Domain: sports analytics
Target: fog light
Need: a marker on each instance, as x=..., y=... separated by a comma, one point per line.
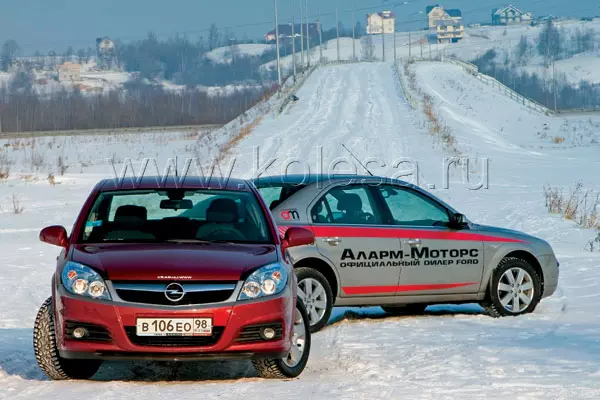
x=268, y=333
x=79, y=333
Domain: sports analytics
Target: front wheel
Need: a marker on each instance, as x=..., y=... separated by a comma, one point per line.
x=515, y=289
x=316, y=294
x=292, y=365
x=46, y=352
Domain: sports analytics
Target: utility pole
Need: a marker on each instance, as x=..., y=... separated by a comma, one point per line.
x=301, y=38
x=409, y=47
x=554, y=80
x=421, y=48
x=395, y=57
x=277, y=46
x=383, y=38
x=354, y=33
x=320, y=40
x=294, y=48
x=307, y=36
x=337, y=29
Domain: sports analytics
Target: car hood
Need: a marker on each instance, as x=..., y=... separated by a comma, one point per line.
x=210, y=262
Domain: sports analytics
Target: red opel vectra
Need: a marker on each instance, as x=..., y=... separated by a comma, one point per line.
x=176, y=270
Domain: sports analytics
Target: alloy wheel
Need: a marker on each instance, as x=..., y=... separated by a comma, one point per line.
x=314, y=297
x=515, y=290
x=298, y=342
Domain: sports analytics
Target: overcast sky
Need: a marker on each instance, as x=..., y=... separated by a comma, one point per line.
x=55, y=24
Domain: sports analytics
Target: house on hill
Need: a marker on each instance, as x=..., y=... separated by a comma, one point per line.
x=510, y=15
x=436, y=13
x=69, y=72
x=383, y=22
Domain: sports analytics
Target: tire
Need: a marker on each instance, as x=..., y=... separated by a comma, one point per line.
x=318, y=317
x=408, y=309
x=46, y=352
x=283, y=368
x=494, y=305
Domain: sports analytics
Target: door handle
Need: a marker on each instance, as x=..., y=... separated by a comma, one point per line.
x=414, y=242
x=333, y=241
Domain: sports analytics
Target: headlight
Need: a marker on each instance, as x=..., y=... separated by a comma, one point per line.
x=84, y=281
x=266, y=281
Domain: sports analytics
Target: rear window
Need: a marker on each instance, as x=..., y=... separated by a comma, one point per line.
x=276, y=193
x=172, y=215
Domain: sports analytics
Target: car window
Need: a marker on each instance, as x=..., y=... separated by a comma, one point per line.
x=274, y=194
x=346, y=205
x=411, y=208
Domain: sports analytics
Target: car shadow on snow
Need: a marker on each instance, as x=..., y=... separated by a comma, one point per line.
x=341, y=314
x=17, y=359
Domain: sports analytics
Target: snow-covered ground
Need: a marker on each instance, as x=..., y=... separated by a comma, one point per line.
x=451, y=352
x=224, y=54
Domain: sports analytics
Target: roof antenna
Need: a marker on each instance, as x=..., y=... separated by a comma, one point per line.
x=357, y=160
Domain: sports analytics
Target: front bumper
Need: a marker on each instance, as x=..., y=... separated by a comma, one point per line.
x=118, y=318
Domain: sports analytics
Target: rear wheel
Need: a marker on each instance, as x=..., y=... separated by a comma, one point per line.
x=406, y=309
x=293, y=365
x=515, y=289
x=315, y=292
x=46, y=352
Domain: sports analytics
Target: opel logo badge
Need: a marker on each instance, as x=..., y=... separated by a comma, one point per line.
x=174, y=292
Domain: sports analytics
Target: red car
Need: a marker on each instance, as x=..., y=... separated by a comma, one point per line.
x=171, y=270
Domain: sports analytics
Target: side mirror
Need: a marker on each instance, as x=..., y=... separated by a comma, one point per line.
x=55, y=235
x=295, y=237
x=457, y=221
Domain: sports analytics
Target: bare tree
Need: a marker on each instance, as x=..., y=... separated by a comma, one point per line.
x=10, y=50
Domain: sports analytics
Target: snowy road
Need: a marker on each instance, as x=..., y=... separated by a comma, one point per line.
x=452, y=351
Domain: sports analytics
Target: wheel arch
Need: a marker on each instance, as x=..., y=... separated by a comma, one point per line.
x=323, y=267
x=531, y=259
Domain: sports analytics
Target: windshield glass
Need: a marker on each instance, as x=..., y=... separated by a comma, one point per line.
x=176, y=215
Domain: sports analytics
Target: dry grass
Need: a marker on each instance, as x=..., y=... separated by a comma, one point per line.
x=51, y=180
x=558, y=139
x=4, y=167
x=437, y=127
x=244, y=132
x=16, y=205
x=579, y=205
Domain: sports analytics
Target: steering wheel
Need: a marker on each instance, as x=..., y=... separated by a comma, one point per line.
x=219, y=232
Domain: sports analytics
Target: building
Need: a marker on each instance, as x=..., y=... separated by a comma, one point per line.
x=383, y=22
x=510, y=15
x=285, y=31
x=106, y=51
x=436, y=13
x=69, y=72
x=449, y=31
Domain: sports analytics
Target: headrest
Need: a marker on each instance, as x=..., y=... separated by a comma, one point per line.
x=222, y=210
x=349, y=202
x=131, y=214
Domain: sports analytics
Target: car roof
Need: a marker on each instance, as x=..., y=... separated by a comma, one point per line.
x=300, y=179
x=187, y=182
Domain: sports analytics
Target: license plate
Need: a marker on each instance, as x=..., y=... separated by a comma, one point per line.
x=174, y=326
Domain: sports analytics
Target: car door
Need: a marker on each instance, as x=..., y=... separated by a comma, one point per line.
x=348, y=228
x=437, y=259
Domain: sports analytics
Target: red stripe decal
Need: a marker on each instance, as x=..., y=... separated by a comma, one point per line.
x=356, y=290
x=402, y=233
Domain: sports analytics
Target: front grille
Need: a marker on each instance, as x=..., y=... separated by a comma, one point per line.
x=175, y=341
x=251, y=333
x=95, y=333
x=195, y=292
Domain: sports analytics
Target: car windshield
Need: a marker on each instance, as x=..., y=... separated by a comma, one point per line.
x=176, y=216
